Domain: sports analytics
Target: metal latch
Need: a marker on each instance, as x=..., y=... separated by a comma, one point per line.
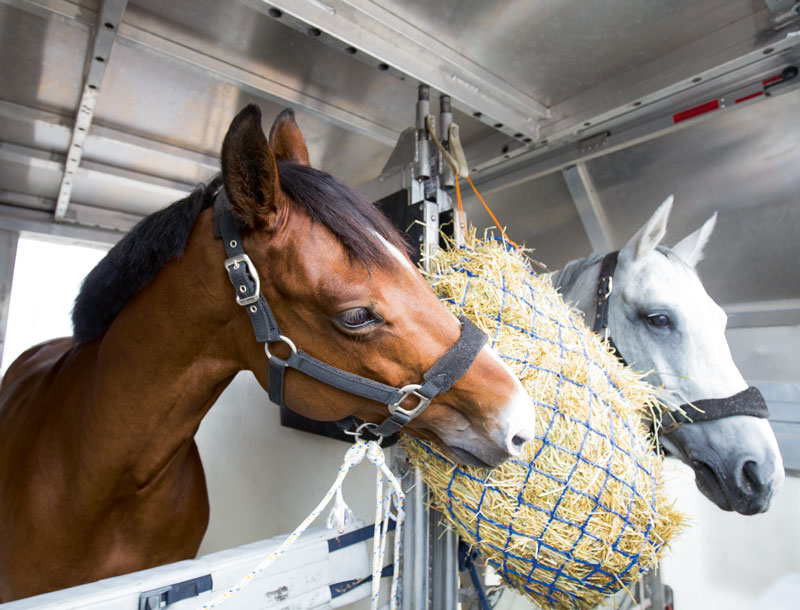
x=162, y=597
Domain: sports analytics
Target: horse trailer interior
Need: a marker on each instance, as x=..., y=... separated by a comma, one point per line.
x=577, y=120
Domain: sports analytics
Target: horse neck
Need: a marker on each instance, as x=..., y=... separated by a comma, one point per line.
x=165, y=359
x=577, y=282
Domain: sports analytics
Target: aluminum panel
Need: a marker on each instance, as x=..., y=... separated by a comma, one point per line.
x=743, y=164
x=555, y=49
x=539, y=214
x=42, y=59
x=177, y=104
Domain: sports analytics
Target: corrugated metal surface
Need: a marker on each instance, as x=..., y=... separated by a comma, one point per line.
x=609, y=72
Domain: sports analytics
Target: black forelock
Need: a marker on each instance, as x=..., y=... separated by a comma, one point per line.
x=137, y=258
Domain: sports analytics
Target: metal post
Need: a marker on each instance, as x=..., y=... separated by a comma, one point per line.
x=589, y=208
x=415, y=575
x=8, y=256
x=653, y=583
x=429, y=557
x=444, y=561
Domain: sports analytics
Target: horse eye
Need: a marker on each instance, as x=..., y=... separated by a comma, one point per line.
x=357, y=318
x=659, y=320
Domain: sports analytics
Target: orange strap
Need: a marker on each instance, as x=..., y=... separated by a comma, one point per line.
x=460, y=207
x=485, y=205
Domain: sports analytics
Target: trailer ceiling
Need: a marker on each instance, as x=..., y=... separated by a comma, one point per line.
x=538, y=86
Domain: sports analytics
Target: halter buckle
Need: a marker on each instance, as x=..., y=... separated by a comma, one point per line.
x=233, y=263
x=609, y=285
x=406, y=391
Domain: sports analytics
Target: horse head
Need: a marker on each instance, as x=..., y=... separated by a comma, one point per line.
x=662, y=320
x=342, y=288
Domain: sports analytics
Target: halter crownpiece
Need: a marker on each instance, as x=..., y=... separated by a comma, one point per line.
x=445, y=372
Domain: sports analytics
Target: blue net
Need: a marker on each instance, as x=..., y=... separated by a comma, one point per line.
x=580, y=513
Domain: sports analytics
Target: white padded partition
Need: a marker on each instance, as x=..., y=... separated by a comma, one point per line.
x=300, y=579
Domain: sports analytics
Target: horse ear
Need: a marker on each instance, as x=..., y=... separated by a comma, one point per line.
x=249, y=171
x=649, y=236
x=286, y=139
x=690, y=248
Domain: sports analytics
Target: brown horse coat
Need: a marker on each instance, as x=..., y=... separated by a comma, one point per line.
x=99, y=472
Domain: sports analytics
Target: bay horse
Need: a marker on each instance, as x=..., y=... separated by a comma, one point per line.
x=99, y=471
x=661, y=319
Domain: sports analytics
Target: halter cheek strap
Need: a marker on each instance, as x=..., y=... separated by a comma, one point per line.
x=605, y=286
x=445, y=372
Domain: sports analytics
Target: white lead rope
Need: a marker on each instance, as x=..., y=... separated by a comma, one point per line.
x=383, y=505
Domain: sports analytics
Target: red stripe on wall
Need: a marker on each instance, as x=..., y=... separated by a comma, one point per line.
x=696, y=111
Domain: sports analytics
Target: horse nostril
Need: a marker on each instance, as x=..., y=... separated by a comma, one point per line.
x=516, y=440
x=751, y=482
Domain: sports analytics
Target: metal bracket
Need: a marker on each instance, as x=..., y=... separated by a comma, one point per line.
x=109, y=18
x=155, y=599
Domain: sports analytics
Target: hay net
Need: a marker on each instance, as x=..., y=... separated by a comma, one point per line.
x=580, y=514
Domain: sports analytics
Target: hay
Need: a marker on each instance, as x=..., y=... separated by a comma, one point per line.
x=581, y=514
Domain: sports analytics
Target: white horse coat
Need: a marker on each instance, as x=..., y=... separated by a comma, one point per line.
x=663, y=321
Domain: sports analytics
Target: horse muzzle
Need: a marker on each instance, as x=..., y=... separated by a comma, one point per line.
x=731, y=448
x=746, y=488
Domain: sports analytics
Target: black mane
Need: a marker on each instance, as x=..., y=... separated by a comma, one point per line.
x=137, y=258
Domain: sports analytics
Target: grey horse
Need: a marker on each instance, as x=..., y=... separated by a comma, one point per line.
x=661, y=320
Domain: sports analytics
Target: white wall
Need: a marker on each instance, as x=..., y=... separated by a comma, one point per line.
x=263, y=479
x=727, y=560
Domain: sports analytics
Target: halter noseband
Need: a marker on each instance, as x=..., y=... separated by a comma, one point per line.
x=446, y=371
x=747, y=402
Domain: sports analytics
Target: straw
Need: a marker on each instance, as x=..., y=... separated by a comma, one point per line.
x=582, y=512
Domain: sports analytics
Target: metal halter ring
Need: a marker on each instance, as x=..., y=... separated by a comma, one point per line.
x=282, y=339
x=409, y=390
x=365, y=426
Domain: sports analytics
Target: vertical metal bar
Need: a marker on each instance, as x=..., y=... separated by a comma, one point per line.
x=105, y=32
x=415, y=558
x=446, y=176
x=8, y=256
x=653, y=578
x=444, y=553
x=423, y=139
x=590, y=210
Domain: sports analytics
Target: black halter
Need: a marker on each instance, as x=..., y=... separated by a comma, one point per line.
x=747, y=402
x=605, y=286
x=448, y=369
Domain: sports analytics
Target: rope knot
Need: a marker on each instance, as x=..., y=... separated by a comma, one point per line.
x=355, y=454
x=375, y=454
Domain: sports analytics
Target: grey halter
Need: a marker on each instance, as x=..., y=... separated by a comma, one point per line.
x=446, y=371
x=747, y=402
